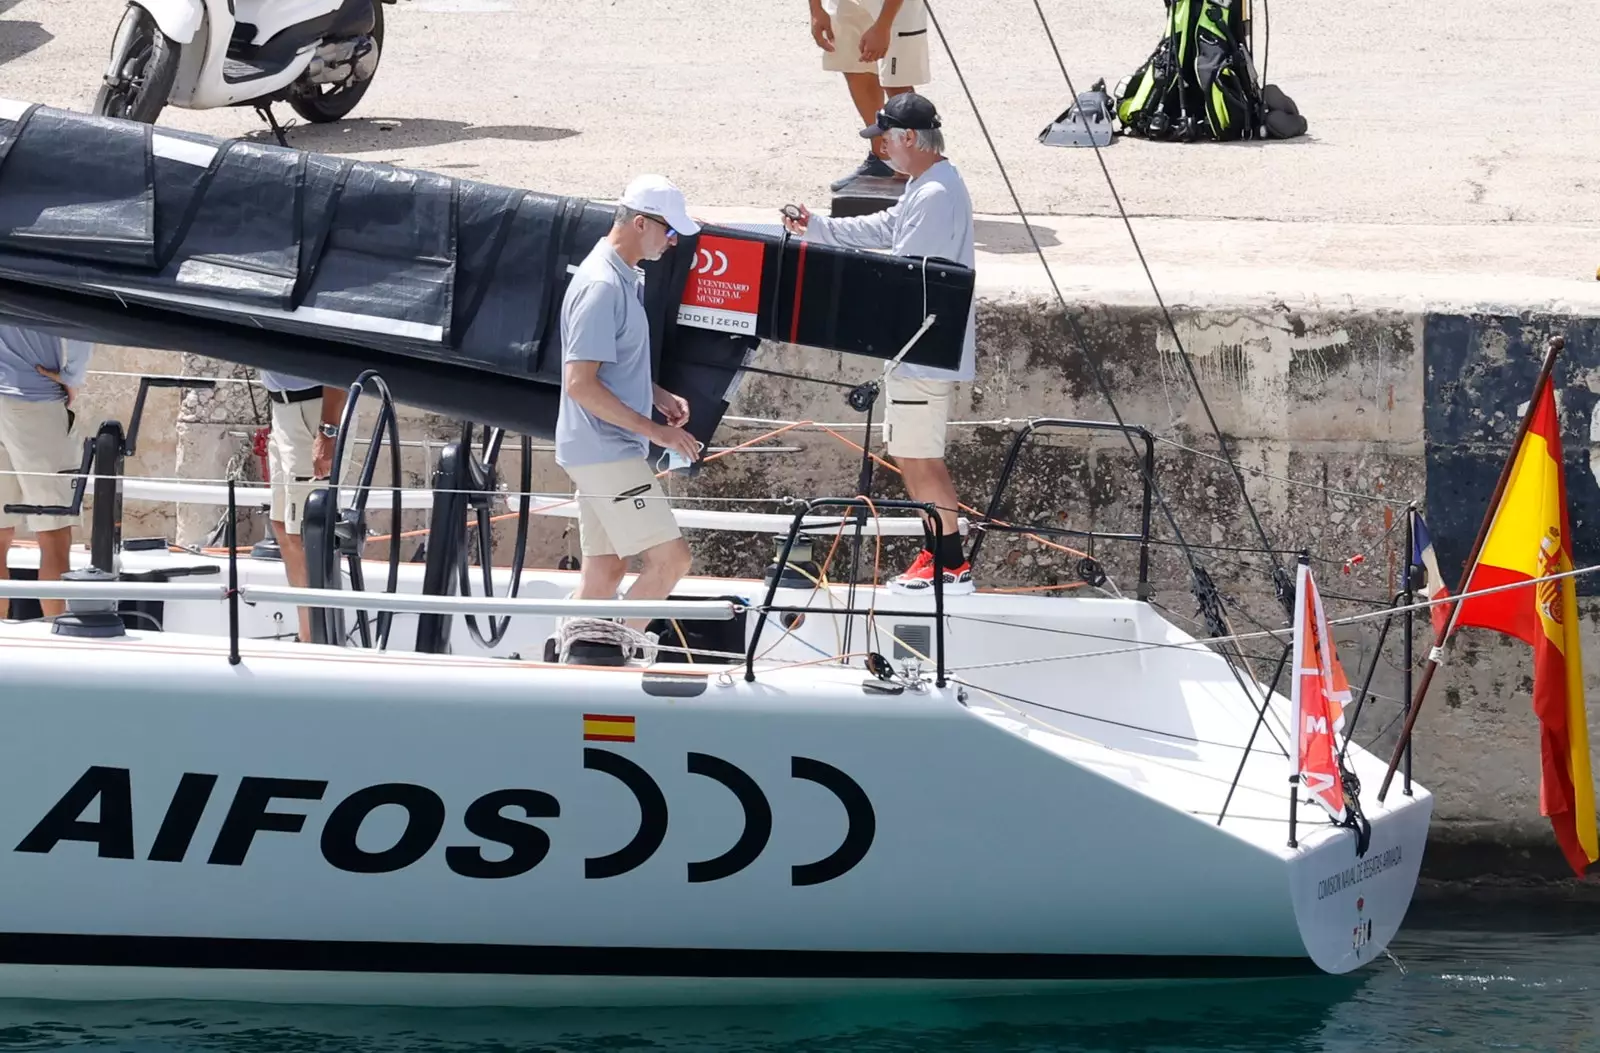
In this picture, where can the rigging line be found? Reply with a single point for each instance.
(1131, 727)
(1146, 474)
(1172, 327)
(1080, 634)
(1394, 502)
(1276, 634)
(770, 372)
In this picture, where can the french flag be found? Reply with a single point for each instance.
(1433, 584)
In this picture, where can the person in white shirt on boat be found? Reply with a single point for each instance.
(604, 427)
(40, 376)
(932, 218)
(305, 422)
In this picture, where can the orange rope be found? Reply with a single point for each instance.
(964, 507)
(512, 515)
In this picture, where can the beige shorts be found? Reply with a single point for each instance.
(290, 460)
(622, 510)
(36, 442)
(914, 421)
(905, 65)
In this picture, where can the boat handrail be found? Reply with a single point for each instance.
(565, 506)
(400, 603)
(988, 521)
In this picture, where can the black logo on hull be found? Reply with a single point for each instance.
(259, 806)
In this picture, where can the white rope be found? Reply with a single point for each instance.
(629, 640)
(1274, 634)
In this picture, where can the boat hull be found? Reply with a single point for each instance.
(343, 825)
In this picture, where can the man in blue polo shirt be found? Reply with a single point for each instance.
(305, 422)
(604, 426)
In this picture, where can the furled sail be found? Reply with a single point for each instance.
(323, 266)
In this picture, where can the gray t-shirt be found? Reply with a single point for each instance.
(603, 320)
(932, 218)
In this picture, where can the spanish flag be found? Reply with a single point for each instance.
(1530, 538)
(607, 727)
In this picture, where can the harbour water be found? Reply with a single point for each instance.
(1495, 980)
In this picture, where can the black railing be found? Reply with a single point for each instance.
(935, 534)
(1142, 537)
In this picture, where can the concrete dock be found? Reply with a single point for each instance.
(1364, 306)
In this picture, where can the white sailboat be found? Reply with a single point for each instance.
(811, 788)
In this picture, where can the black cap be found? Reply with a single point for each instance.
(906, 110)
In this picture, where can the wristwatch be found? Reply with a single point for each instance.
(328, 431)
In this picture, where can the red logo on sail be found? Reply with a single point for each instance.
(1318, 698)
(724, 287)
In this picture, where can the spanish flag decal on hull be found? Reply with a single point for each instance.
(601, 727)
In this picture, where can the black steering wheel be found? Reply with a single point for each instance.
(493, 439)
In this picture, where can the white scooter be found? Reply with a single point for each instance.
(319, 56)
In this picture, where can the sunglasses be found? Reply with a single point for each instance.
(670, 232)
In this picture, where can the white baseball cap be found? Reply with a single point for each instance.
(657, 196)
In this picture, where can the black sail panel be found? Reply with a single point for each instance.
(324, 266)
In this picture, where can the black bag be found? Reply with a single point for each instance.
(1200, 82)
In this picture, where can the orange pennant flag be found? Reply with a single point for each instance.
(1318, 696)
(1531, 538)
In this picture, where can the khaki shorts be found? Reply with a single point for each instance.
(37, 442)
(290, 460)
(905, 65)
(622, 510)
(914, 421)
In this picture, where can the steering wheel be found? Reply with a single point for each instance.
(493, 439)
(345, 529)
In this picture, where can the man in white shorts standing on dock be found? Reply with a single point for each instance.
(881, 47)
(305, 422)
(933, 218)
(604, 427)
(40, 375)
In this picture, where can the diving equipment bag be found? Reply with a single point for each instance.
(1200, 83)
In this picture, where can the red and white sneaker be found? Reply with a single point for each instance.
(918, 577)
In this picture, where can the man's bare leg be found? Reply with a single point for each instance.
(867, 95)
(6, 537)
(55, 559)
(599, 577)
(293, 550)
(664, 566)
(927, 479)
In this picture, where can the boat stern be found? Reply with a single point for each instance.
(1349, 907)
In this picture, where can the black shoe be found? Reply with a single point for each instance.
(873, 167)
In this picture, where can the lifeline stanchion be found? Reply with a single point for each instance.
(233, 578)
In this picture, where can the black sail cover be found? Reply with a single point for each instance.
(321, 266)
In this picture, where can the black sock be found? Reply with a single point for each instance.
(950, 554)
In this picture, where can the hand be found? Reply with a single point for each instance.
(822, 29)
(673, 407)
(673, 438)
(71, 392)
(796, 224)
(321, 456)
(875, 42)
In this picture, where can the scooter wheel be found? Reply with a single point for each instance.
(323, 107)
(144, 63)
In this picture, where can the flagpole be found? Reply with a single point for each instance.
(1436, 653)
(1411, 626)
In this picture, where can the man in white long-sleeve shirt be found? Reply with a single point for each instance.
(40, 375)
(932, 218)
